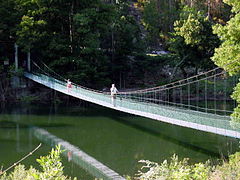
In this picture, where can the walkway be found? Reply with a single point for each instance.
(207, 122)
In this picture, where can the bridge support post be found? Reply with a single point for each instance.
(15, 80)
(16, 56)
(29, 61)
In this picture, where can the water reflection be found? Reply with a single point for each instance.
(17, 140)
(116, 139)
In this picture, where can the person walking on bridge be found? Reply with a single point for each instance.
(69, 85)
(114, 92)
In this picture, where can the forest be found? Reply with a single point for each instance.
(134, 44)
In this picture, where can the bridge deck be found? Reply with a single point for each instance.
(183, 117)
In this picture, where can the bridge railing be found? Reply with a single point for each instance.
(181, 116)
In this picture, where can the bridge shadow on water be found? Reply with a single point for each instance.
(215, 146)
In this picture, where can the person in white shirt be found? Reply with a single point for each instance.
(69, 85)
(114, 92)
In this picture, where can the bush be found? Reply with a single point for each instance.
(173, 170)
(228, 170)
(52, 169)
(176, 169)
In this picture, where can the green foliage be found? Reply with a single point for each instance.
(90, 62)
(236, 96)
(180, 169)
(51, 166)
(158, 18)
(151, 21)
(190, 26)
(217, 10)
(125, 41)
(20, 172)
(196, 30)
(193, 40)
(127, 35)
(227, 55)
(9, 19)
(88, 42)
(228, 170)
(235, 5)
(175, 169)
(92, 42)
(30, 32)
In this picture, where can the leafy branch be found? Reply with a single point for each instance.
(16, 163)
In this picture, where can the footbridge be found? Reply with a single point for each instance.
(183, 103)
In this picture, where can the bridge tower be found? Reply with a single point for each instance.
(28, 65)
(16, 56)
(29, 61)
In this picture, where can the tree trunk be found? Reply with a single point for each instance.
(71, 27)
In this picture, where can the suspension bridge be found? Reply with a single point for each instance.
(183, 103)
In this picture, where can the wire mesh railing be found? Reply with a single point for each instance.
(181, 103)
(211, 94)
(206, 92)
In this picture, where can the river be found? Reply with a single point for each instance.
(116, 139)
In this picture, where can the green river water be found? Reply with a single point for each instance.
(116, 139)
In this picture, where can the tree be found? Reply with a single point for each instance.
(215, 9)
(8, 23)
(89, 63)
(126, 42)
(227, 55)
(158, 18)
(9, 19)
(31, 32)
(193, 40)
(151, 22)
(87, 42)
(36, 29)
(67, 35)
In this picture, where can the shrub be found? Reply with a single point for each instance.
(176, 169)
(52, 169)
(173, 170)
